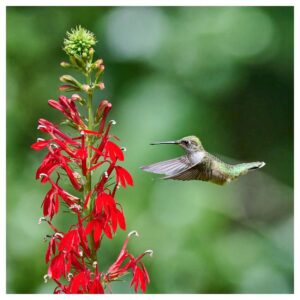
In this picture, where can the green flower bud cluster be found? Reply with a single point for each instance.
(79, 42)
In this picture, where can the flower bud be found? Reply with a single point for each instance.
(76, 97)
(65, 64)
(101, 109)
(100, 71)
(68, 88)
(86, 88)
(69, 79)
(91, 52)
(101, 86)
(98, 63)
(79, 42)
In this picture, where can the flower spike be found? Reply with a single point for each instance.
(79, 156)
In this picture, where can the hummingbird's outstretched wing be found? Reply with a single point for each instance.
(201, 171)
(169, 167)
(192, 173)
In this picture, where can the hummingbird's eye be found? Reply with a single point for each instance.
(185, 142)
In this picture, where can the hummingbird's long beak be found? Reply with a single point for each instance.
(167, 142)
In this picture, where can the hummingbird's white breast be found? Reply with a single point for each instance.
(196, 157)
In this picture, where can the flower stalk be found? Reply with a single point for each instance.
(72, 255)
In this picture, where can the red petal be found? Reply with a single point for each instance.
(39, 145)
(87, 199)
(114, 151)
(121, 219)
(89, 227)
(97, 231)
(56, 105)
(107, 231)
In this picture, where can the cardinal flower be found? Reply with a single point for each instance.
(89, 157)
(68, 108)
(126, 262)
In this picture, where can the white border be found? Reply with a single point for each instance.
(5, 3)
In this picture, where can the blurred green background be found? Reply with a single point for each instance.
(222, 73)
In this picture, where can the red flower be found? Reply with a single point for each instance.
(116, 269)
(123, 176)
(40, 144)
(98, 224)
(53, 160)
(51, 203)
(107, 203)
(95, 286)
(55, 133)
(69, 109)
(140, 277)
(79, 283)
(70, 241)
(113, 151)
(95, 226)
(82, 154)
(59, 266)
(126, 261)
(53, 244)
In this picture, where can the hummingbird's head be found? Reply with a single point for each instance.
(189, 143)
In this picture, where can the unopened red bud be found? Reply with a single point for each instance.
(98, 63)
(76, 97)
(100, 109)
(68, 88)
(102, 68)
(101, 86)
(86, 88)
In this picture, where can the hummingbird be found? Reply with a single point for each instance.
(198, 164)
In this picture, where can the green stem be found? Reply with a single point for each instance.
(88, 184)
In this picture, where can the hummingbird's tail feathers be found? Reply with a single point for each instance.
(168, 167)
(256, 165)
(244, 168)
